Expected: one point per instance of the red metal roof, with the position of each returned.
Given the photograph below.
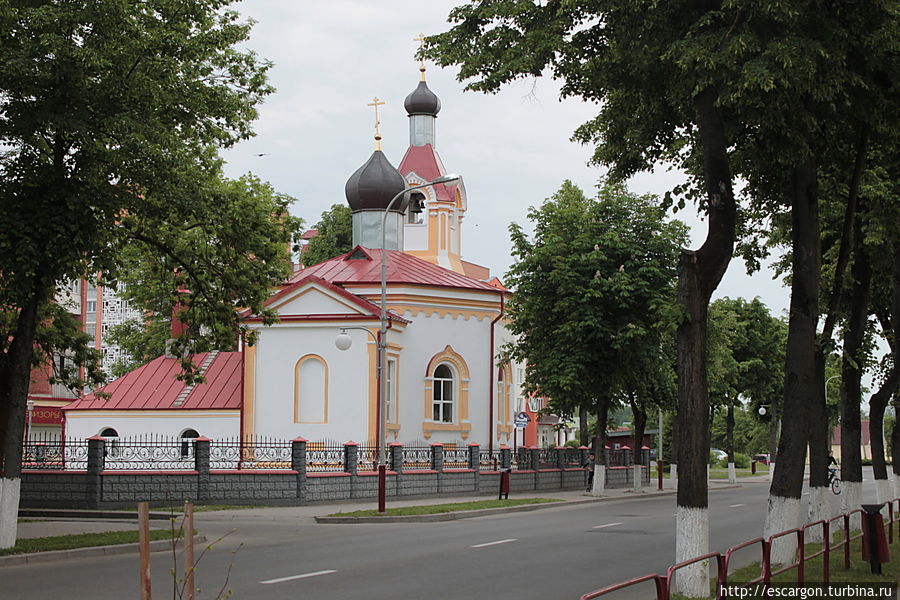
(425, 162)
(402, 268)
(154, 387)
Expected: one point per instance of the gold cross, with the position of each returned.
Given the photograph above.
(376, 103)
(421, 40)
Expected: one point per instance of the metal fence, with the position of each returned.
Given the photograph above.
(489, 461)
(325, 456)
(367, 456)
(456, 456)
(50, 453)
(249, 453)
(417, 456)
(148, 453)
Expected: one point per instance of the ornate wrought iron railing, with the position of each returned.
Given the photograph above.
(547, 458)
(489, 461)
(456, 456)
(148, 453)
(367, 456)
(325, 456)
(417, 457)
(249, 453)
(49, 453)
(572, 457)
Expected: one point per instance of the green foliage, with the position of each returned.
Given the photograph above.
(751, 434)
(741, 461)
(334, 237)
(229, 249)
(594, 289)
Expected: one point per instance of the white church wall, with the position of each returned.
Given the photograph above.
(341, 414)
(426, 337)
(209, 423)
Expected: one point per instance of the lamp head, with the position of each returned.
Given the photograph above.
(762, 411)
(343, 341)
(449, 177)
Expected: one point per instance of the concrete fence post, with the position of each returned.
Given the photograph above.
(298, 464)
(351, 457)
(534, 456)
(522, 459)
(505, 457)
(474, 456)
(96, 457)
(437, 457)
(395, 450)
(201, 465)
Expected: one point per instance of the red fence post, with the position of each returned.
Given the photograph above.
(801, 551)
(767, 561)
(826, 567)
(847, 541)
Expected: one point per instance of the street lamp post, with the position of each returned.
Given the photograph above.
(30, 405)
(343, 341)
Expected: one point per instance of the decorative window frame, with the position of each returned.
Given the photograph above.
(461, 424)
(297, 398)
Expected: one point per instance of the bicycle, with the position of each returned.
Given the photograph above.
(834, 481)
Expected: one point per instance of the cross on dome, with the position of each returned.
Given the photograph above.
(376, 103)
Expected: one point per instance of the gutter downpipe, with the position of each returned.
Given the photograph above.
(491, 378)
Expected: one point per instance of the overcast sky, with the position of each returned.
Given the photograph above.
(513, 150)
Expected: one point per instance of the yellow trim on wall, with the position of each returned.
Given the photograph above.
(297, 366)
(249, 407)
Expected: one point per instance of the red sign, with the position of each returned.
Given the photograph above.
(45, 415)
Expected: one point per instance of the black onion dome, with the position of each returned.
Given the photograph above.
(422, 101)
(374, 185)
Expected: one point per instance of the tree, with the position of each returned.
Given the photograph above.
(334, 236)
(252, 226)
(593, 299)
(655, 71)
(746, 357)
(111, 114)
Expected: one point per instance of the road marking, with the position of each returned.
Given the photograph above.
(607, 525)
(304, 576)
(495, 543)
(735, 505)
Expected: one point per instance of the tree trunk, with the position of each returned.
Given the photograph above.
(583, 431)
(16, 370)
(729, 440)
(639, 418)
(800, 369)
(599, 481)
(877, 405)
(699, 274)
(851, 375)
(819, 506)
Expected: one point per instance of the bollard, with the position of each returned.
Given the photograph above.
(504, 484)
(753, 467)
(874, 542)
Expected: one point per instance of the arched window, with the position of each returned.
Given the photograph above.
(443, 394)
(187, 442)
(111, 448)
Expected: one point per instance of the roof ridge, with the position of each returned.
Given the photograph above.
(182, 396)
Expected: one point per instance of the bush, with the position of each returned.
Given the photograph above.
(573, 444)
(741, 461)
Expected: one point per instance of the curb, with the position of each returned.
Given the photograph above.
(54, 555)
(87, 515)
(470, 514)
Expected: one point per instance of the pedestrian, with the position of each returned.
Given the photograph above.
(589, 470)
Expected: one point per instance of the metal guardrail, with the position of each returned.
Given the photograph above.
(664, 583)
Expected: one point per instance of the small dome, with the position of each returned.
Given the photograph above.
(374, 185)
(422, 101)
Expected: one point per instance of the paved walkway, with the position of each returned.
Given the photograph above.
(34, 527)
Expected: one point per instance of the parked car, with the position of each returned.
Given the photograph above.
(761, 458)
(719, 454)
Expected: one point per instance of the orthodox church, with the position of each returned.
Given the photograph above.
(445, 330)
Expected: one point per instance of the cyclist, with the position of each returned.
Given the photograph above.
(832, 467)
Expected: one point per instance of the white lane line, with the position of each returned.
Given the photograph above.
(607, 525)
(304, 576)
(735, 505)
(495, 543)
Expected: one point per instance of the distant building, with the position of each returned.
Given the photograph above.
(865, 446)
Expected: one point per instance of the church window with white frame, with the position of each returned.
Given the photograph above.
(443, 394)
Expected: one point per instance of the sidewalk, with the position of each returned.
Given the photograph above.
(41, 527)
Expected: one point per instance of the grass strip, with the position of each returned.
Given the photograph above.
(433, 509)
(717, 473)
(81, 540)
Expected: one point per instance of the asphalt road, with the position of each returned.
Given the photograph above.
(554, 553)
